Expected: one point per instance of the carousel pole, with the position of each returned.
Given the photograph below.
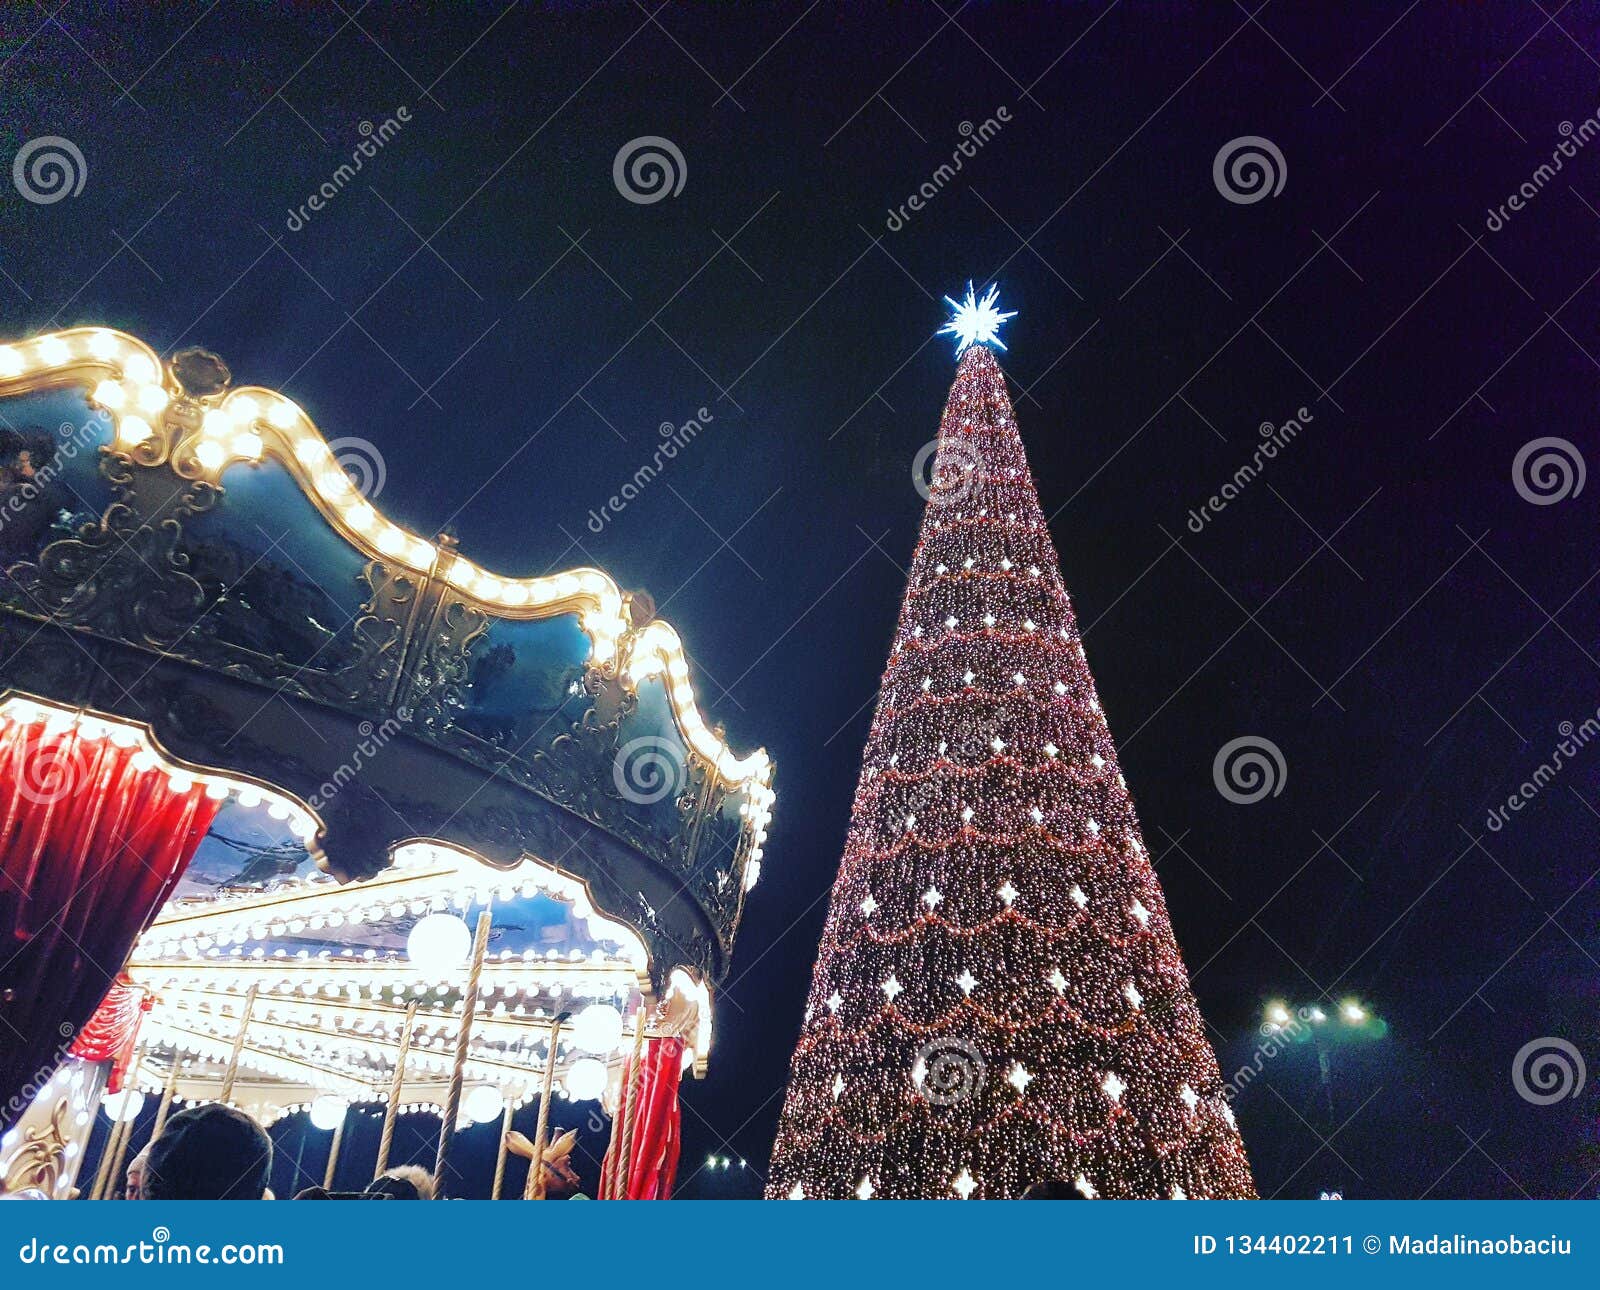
(630, 1108)
(167, 1090)
(232, 1072)
(469, 1009)
(500, 1160)
(392, 1108)
(122, 1146)
(333, 1153)
(109, 1155)
(102, 1173)
(533, 1189)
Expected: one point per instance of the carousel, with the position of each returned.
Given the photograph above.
(311, 815)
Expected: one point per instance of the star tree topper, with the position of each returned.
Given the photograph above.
(974, 321)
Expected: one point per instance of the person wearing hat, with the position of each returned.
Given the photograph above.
(210, 1152)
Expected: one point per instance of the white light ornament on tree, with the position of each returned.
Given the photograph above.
(974, 321)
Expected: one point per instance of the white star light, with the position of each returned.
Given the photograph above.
(931, 898)
(1085, 1188)
(864, 1188)
(797, 1192)
(869, 906)
(965, 1184)
(1019, 1078)
(838, 1086)
(966, 981)
(891, 987)
(1008, 893)
(1113, 1086)
(1131, 993)
(975, 321)
(835, 1002)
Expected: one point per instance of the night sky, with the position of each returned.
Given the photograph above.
(1383, 603)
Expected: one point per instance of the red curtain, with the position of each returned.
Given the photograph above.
(93, 836)
(657, 1125)
(110, 1034)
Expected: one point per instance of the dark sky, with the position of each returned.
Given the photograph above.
(1381, 604)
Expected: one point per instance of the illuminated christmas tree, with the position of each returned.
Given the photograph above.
(999, 999)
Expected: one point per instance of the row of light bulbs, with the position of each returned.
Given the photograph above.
(250, 422)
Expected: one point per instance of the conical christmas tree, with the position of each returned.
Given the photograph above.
(999, 999)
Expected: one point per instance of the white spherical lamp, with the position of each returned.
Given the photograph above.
(123, 1106)
(327, 1112)
(482, 1104)
(586, 1080)
(598, 1029)
(438, 944)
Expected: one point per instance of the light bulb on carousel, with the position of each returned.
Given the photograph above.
(586, 1080)
(123, 1106)
(597, 1029)
(438, 944)
(482, 1104)
(328, 1112)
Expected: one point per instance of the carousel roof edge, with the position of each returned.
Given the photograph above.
(126, 378)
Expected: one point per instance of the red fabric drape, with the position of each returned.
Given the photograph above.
(110, 1034)
(657, 1126)
(91, 844)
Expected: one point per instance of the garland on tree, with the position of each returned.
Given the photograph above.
(999, 999)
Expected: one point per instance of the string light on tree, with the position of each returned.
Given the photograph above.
(998, 999)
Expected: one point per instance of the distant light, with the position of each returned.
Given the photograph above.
(1353, 1012)
(1278, 1014)
(1317, 1014)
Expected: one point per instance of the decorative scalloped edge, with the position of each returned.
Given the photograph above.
(204, 435)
